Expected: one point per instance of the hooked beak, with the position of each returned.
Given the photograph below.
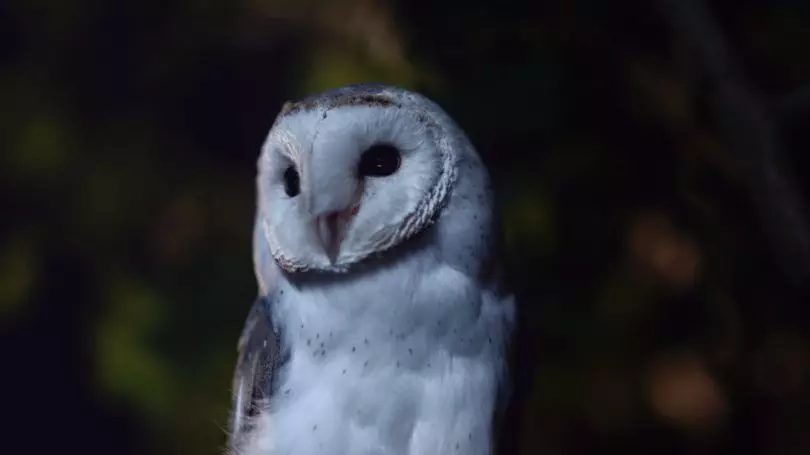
(331, 228)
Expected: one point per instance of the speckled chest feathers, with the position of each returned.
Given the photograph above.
(381, 327)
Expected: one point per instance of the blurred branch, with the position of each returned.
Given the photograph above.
(368, 22)
(748, 127)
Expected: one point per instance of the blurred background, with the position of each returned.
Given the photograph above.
(649, 160)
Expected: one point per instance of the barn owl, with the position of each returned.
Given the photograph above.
(380, 326)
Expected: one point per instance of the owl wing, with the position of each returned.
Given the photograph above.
(256, 370)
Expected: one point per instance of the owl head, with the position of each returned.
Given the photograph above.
(353, 172)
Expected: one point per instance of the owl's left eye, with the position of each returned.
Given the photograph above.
(292, 184)
(379, 160)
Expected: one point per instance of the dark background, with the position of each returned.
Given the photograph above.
(648, 157)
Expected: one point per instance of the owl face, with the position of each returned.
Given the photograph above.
(348, 174)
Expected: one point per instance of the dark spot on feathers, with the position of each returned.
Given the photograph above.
(369, 100)
(365, 364)
(469, 436)
(354, 348)
(314, 427)
(410, 351)
(456, 446)
(309, 341)
(321, 343)
(344, 371)
(365, 341)
(397, 363)
(317, 335)
(325, 113)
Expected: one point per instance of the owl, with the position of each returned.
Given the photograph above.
(380, 325)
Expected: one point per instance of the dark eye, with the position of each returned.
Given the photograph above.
(379, 161)
(292, 185)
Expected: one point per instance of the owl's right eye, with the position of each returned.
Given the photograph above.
(380, 160)
(292, 184)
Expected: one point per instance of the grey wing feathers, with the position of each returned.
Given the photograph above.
(255, 376)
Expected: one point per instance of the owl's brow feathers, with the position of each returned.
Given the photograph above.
(290, 108)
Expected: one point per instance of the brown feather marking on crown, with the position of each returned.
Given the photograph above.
(340, 101)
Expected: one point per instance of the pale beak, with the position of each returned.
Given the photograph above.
(331, 228)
